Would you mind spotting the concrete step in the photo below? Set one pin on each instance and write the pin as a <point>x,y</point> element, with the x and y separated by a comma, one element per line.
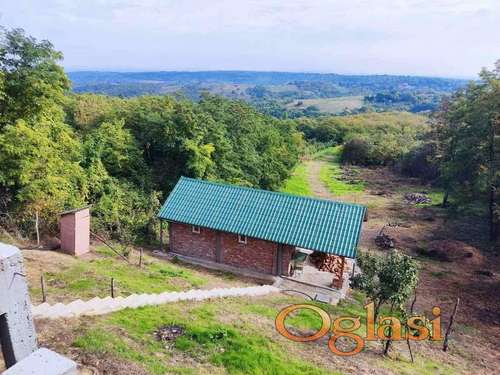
<point>99,306</point>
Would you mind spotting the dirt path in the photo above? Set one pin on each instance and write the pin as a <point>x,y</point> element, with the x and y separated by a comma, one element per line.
<point>318,188</point>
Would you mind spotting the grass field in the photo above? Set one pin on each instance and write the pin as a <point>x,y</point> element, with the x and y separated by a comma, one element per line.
<point>331,173</point>
<point>298,183</point>
<point>330,105</point>
<point>237,347</point>
<point>68,278</point>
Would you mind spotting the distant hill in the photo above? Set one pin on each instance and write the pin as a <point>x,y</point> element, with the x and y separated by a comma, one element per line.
<point>275,89</point>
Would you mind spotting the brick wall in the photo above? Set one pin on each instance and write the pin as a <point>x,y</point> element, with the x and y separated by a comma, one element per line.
<point>256,255</point>
<point>183,241</point>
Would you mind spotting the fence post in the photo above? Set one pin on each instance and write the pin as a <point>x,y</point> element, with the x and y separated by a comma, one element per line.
<point>112,287</point>
<point>42,282</point>
<point>140,257</point>
<point>161,235</point>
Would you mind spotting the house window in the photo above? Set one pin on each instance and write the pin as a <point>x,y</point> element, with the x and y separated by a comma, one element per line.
<point>242,239</point>
<point>195,229</point>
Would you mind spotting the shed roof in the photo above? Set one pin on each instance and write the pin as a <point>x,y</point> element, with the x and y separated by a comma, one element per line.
<point>318,224</point>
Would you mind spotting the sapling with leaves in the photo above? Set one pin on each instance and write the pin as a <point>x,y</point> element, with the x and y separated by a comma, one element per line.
<point>387,280</point>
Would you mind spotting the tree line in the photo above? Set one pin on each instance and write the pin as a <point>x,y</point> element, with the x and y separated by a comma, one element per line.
<point>456,148</point>
<point>59,150</point>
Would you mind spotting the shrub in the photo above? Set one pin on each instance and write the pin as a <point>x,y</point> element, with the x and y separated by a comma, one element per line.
<point>357,151</point>
<point>421,162</point>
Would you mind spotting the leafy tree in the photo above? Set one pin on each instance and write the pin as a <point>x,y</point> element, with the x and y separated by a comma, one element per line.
<point>391,279</point>
<point>386,279</point>
<point>40,164</point>
<point>32,84</point>
<point>467,131</point>
<point>118,150</point>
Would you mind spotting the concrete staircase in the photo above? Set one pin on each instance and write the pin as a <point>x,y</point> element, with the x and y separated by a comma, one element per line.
<point>100,306</point>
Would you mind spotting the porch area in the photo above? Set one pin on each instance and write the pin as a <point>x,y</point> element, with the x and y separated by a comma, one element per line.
<point>328,286</point>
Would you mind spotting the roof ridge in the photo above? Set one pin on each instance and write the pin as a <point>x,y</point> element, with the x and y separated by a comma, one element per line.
<point>271,192</point>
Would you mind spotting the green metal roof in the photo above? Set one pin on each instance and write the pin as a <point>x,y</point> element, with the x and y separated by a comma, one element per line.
<point>317,224</point>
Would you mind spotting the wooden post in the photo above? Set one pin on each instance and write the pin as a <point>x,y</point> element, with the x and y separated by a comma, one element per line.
<point>448,330</point>
<point>338,270</point>
<point>42,283</point>
<point>161,235</point>
<point>112,287</point>
<point>37,229</point>
<point>140,257</point>
<point>407,328</point>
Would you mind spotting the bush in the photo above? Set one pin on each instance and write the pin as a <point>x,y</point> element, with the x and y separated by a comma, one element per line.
<point>421,162</point>
<point>356,151</point>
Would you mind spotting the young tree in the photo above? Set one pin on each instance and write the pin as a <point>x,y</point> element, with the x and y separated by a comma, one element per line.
<point>387,280</point>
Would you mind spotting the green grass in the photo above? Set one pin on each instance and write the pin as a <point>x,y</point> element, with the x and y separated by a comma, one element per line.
<point>298,183</point>
<point>240,348</point>
<point>90,278</point>
<point>331,105</point>
<point>232,334</point>
<point>330,174</point>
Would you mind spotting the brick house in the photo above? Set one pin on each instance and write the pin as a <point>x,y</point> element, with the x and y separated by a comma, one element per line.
<point>256,230</point>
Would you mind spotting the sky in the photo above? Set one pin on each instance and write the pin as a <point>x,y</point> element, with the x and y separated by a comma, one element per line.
<point>449,38</point>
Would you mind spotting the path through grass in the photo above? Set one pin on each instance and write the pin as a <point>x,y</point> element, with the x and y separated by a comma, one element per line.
<point>331,174</point>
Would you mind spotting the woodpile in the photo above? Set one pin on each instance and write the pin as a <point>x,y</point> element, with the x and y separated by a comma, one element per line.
<point>324,262</point>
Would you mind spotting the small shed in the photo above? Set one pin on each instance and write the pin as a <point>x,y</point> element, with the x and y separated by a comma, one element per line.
<point>75,231</point>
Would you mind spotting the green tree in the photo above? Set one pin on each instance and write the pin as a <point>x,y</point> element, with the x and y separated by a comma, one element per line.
<point>40,164</point>
<point>386,279</point>
<point>32,84</point>
<point>467,133</point>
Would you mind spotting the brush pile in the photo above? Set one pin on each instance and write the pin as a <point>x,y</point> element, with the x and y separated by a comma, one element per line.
<point>417,198</point>
<point>169,332</point>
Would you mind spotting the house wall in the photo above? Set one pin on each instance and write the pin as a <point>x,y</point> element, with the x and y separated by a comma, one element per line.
<point>256,255</point>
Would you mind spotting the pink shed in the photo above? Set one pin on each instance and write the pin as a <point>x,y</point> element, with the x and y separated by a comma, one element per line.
<point>75,231</point>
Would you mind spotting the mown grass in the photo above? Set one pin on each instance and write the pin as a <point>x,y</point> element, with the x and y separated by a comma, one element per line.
<point>298,183</point>
<point>330,174</point>
<point>90,278</point>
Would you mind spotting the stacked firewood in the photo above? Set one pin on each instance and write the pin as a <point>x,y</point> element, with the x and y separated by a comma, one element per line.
<point>323,262</point>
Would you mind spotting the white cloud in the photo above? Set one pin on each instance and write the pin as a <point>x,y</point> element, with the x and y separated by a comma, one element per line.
<point>439,37</point>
